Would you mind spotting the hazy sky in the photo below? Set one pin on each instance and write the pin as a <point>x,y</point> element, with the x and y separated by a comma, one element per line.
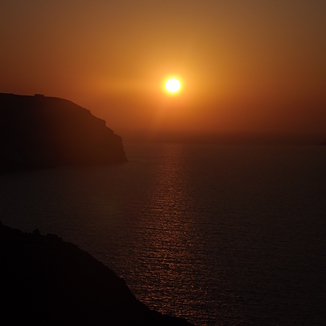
<point>244,65</point>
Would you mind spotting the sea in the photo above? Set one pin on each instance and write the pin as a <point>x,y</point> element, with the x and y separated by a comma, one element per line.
<point>219,234</point>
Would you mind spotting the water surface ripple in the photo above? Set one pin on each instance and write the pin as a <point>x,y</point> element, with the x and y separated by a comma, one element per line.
<point>220,235</point>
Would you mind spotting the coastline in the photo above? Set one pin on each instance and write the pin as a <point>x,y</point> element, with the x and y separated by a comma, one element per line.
<point>47,281</point>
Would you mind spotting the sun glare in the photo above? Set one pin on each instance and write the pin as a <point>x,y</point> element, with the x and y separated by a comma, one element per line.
<point>173,85</point>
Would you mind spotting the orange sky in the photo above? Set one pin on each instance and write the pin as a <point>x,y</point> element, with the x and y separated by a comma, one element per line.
<point>256,66</point>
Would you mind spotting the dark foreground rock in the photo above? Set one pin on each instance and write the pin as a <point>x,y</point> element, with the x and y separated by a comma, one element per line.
<point>41,132</point>
<point>46,281</point>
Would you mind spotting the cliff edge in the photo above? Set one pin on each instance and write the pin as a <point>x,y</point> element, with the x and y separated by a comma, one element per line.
<point>46,281</point>
<point>41,132</point>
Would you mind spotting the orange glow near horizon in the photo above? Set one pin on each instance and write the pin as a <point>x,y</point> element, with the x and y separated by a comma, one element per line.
<point>256,66</point>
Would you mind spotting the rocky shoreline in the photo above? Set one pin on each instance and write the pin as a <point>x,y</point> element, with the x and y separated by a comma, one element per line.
<point>46,281</point>
<point>39,132</point>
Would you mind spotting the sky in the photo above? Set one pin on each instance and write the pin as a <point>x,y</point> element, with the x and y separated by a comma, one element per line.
<point>255,66</point>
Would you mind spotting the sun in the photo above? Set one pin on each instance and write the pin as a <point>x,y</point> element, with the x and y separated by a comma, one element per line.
<point>173,85</point>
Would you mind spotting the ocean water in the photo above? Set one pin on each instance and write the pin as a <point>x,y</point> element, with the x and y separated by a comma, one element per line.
<point>217,234</point>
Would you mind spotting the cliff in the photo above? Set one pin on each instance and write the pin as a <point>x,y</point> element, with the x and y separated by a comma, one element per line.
<point>46,281</point>
<point>40,132</point>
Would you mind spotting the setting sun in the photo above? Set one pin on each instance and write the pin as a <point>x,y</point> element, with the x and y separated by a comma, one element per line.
<point>173,85</point>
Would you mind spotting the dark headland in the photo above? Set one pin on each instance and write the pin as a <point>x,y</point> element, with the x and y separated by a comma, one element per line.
<point>46,281</point>
<point>42,132</point>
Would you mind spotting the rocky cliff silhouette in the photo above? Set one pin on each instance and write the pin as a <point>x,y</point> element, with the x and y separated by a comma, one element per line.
<point>42,132</point>
<point>46,281</point>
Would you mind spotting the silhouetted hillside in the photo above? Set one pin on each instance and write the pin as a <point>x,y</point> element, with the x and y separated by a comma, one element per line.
<point>46,281</point>
<point>39,132</point>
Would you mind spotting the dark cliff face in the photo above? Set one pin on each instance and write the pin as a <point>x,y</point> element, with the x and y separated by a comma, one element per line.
<point>39,132</point>
<point>46,281</point>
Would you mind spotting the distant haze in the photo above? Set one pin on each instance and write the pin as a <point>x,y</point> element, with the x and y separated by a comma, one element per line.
<point>245,66</point>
